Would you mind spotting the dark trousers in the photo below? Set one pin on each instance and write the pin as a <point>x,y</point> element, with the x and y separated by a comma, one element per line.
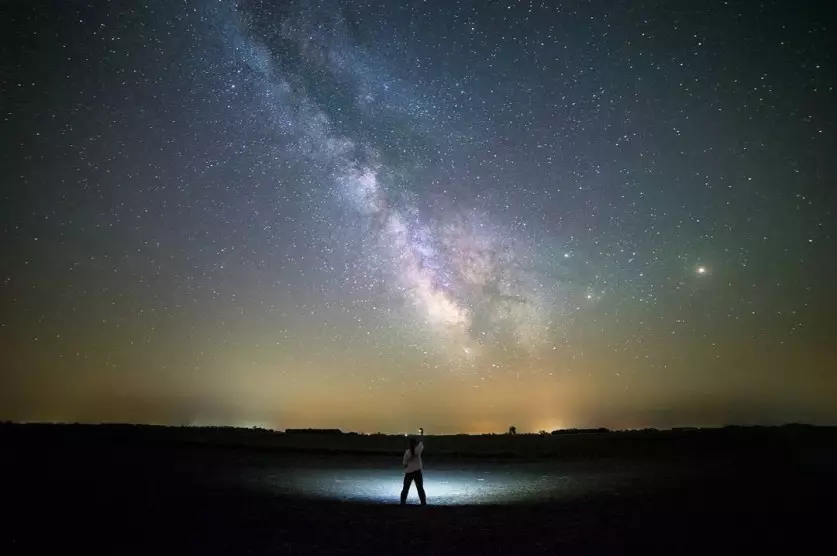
<point>408,480</point>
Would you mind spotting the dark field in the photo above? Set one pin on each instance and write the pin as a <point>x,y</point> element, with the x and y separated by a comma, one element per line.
<point>81,490</point>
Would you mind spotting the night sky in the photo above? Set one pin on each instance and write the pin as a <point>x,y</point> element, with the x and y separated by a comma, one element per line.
<point>381,215</point>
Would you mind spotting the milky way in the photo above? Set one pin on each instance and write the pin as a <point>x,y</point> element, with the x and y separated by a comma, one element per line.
<point>368,214</point>
<point>467,279</point>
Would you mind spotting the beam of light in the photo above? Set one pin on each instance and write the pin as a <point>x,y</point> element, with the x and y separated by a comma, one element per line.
<point>446,483</point>
<point>443,487</point>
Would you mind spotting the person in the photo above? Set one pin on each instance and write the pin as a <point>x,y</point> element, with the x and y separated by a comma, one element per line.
<point>412,469</point>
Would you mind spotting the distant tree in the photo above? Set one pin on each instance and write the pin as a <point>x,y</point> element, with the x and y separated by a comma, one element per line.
<point>542,432</point>
<point>512,430</point>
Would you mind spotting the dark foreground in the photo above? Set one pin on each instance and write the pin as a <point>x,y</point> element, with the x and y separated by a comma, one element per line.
<point>79,494</point>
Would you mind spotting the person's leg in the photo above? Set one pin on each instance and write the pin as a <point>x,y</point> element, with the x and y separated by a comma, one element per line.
<point>420,487</point>
<point>408,479</point>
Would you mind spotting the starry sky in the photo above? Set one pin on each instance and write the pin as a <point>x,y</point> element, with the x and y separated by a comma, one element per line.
<point>379,215</point>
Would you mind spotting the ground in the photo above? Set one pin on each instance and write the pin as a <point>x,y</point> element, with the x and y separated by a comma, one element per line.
<point>78,492</point>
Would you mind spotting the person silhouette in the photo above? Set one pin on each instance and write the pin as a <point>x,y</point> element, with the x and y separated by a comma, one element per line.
<point>412,469</point>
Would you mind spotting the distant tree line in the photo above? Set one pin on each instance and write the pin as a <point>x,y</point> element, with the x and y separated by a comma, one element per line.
<point>210,430</point>
<point>513,431</point>
<point>580,431</point>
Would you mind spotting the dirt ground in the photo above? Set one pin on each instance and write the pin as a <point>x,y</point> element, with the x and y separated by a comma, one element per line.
<point>87,495</point>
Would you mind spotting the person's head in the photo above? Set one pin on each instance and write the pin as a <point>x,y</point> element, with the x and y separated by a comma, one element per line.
<point>413,444</point>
